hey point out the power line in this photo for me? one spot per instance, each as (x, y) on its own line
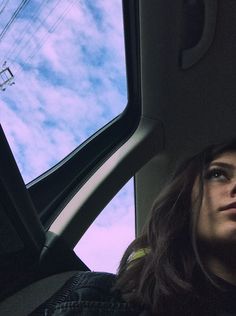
(61, 17)
(38, 27)
(9, 23)
(16, 49)
(17, 44)
(52, 29)
(44, 38)
(3, 6)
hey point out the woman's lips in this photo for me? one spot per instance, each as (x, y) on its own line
(228, 207)
(230, 211)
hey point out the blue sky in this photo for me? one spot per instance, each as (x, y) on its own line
(67, 57)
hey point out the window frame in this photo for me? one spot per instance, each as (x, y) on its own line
(52, 190)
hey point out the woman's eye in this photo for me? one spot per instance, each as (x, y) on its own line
(216, 174)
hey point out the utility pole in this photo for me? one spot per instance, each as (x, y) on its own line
(6, 77)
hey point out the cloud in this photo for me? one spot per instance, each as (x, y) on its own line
(102, 246)
(69, 66)
(69, 69)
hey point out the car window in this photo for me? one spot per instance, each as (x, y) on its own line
(104, 243)
(62, 76)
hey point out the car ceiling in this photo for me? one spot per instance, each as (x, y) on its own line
(195, 104)
(187, 103)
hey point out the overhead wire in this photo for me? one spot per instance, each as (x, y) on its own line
(3, 6)
(19, 44)
(13, 17)
(52, 29)
(9, 59)
(44, 38)
(61, 17)
(37, 29)
(49, 32)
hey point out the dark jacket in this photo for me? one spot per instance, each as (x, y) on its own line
(87, 294)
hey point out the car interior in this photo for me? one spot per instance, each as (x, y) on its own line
(180, 58)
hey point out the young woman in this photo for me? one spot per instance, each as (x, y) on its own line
(184, 262)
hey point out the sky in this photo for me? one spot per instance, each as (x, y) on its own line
(67, 58)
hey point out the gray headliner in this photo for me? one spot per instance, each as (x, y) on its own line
(196, 106)
(182, 111)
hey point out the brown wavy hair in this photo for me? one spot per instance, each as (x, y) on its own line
(164, 278)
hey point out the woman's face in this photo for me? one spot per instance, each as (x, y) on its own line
(217, 218)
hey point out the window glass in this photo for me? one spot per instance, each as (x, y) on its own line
(62, 76)
(104, 243)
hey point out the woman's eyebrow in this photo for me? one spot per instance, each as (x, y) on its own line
(223, 164)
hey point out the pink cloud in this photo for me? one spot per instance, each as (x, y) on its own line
(73, 106)
(101, 248)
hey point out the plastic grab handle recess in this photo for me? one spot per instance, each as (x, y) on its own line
(193, 55)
